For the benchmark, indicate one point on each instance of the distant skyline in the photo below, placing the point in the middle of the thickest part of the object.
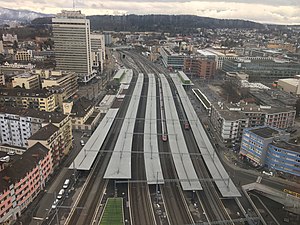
(263, 11)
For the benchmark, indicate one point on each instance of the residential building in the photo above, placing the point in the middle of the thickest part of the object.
(66, 81)
(98, 51)
(50, 137)
(18, 125)
(255, 141)
(283, 157)
(228, 123)
(9, 38)
(82, 113)
(229, 120)
(290, 85)
(22, 178)
(27, 81)
(24, 56)
(202, 67)
(171, 59)
(72, 42)
(41, 99)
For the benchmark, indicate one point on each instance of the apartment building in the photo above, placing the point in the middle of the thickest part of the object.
(202, 67)
(50, 137)
(17, 126)
(27, 81)
(66, 81)
(22, 178)
(42, 99)
(255, 141)
(72, 41)
(98, 51)
(230, 119)
(24, 56)
(82, 113)
(229, 123)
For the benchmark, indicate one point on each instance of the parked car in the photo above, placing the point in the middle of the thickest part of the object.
(60, 193)
(55, 204)
(82, 142)
(66, 184)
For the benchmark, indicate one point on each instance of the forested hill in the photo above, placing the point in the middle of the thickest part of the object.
(166, 23)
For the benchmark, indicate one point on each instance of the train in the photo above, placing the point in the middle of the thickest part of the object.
(164, 135)
(186, 123)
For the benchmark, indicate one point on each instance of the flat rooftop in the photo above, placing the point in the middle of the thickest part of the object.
(286, 145)
(265, 132)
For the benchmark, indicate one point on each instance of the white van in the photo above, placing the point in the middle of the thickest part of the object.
(60, 193)
(66, 184)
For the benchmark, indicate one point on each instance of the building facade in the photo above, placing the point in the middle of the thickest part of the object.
(202, 67)
(255, 143)
(27, 81)
(172, 60)
(72, 42)
(229, 124)
(98, 51)
(67, 81)
(284, 157)
(42, 99)
(19, 125)
(22, 178)
(262, 68)
(24, 56)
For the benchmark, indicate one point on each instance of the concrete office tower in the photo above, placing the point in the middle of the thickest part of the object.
(98, 51)
(72, 42)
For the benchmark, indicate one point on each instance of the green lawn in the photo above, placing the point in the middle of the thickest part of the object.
(113, 212)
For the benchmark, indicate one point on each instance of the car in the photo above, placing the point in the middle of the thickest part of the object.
(66, 184)
(268, 173)
(55, 204)
(11, 153)
(60, 194)
(82, 142)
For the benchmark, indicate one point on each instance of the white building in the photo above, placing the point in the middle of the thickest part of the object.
(228, 123)
(16, 129)
(9, 38)
(1, 47)
(72, 42)
(290, 85)
(98, 51)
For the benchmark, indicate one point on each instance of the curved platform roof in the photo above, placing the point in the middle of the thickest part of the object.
(183, 163)
(151, 157)
(213, 163)
(85, 158)
(119, 166)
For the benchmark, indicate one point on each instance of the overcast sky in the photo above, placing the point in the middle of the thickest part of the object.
(265, 11)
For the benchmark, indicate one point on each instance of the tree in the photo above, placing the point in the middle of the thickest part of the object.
(15, 46)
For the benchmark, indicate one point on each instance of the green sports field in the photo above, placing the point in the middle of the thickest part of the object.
(113, 212)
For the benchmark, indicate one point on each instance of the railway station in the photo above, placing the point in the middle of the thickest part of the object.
(183, 163)
(214, 165)
(119, 166)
